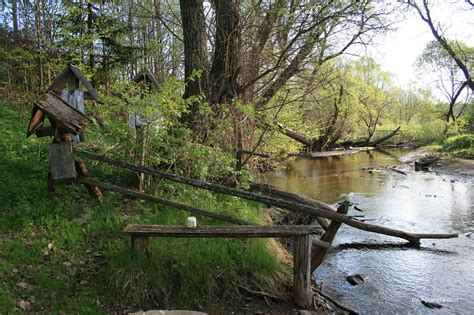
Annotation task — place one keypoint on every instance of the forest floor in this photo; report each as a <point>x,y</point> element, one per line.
<point>63,252</point>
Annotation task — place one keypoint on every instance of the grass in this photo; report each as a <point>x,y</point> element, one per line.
<point>64,252</point>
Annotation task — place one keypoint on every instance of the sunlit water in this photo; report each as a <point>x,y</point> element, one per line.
<point>441,271</point>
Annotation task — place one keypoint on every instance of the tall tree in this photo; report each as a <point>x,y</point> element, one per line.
<point>424,11</point>
<point>450,79</point>
<point>195,50</point>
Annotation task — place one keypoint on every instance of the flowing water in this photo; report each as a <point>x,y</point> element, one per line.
<point>397,278</point>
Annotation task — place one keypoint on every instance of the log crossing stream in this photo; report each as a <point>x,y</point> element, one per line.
<point>397,278</point>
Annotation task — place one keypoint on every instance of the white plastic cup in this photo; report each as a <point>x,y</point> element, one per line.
<point>191,222</point>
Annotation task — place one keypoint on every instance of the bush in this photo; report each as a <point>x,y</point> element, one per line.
<point>460,142</point>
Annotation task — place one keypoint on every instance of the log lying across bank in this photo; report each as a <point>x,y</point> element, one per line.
<point>311,143</point>
<point>374,142</point>
<point>320,211</point>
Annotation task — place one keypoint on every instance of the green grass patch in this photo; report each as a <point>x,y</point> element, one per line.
<point>64,252</point>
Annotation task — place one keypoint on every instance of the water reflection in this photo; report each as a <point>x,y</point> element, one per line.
<point>420,202</point>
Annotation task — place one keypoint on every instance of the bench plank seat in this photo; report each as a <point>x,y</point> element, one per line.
<point>232,231</point>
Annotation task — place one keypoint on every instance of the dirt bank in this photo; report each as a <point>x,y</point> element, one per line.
<point>461,168</point>
<point>453,167</point>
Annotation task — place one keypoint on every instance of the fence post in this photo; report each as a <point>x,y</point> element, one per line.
<point>141,244</point>
<point>301,271</point>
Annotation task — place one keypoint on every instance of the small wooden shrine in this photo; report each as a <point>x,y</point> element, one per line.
<point>63,107</point>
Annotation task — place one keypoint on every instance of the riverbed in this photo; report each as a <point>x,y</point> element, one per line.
<point>397,278</point>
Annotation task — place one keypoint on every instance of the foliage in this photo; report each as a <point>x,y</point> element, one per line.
<point>70,252</point>
<point>461,145</point>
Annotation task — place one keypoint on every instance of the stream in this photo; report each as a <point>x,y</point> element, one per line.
<point>396,278</point>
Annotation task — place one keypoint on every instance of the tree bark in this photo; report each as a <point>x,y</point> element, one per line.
<point>226,61</point>
<point>195,51</point>
<point>15,17</point>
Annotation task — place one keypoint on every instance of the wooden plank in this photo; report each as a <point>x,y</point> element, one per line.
<point>301,271</point>
<point>213,231</point>
<point>62,161</point>
<point>330,153</point>
<point>320,252</point>
<point>36,121</point>
<point>90,89</point>
<point>64,115</point>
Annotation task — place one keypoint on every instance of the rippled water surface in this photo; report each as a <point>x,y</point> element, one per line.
<point>397,277</point>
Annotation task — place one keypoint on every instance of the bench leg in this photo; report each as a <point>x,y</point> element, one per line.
<point>302,271</point>
<point>141,244</point>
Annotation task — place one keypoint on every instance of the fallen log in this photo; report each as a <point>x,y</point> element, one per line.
<point>138,195</point>
<point>374,143</point>
<point>380,140</point>
<point>320,211</point>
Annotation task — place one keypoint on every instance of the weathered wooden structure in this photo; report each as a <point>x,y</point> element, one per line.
<point>63,107</point>
<point>71,79</point>
<point>302,294</point>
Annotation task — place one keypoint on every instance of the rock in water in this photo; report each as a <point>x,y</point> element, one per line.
<point>355,279</point>
<point>431,305</point>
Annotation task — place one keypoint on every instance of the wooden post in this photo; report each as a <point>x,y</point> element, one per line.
<point>141,244</point>
<point>94,190</point>
<point>301,271</point>
<point>141,154</point>
<point>320,252</point>
<point>50,182</point>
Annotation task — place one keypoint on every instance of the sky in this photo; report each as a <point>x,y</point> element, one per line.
<point>398,50</point>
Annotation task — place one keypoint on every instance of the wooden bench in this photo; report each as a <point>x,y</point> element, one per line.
<point>302,296</point>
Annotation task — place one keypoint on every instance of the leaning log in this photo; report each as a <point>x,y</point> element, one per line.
<point>169,203</point>
<point>295,135</point>
<point>380,140</point>
<point>413,238</point>
<point>274,192</point>
<point>319,253</point>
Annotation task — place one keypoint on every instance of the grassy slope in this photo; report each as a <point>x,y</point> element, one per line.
<point>63,251</point>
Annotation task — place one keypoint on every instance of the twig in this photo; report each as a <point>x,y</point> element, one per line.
<point>333,301</point>
<point>264,294</point>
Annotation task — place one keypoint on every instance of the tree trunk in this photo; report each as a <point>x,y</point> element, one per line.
<point>225,66</point>
<point>15,17</point>
<point>90,32</point>
<point>195,51</point>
